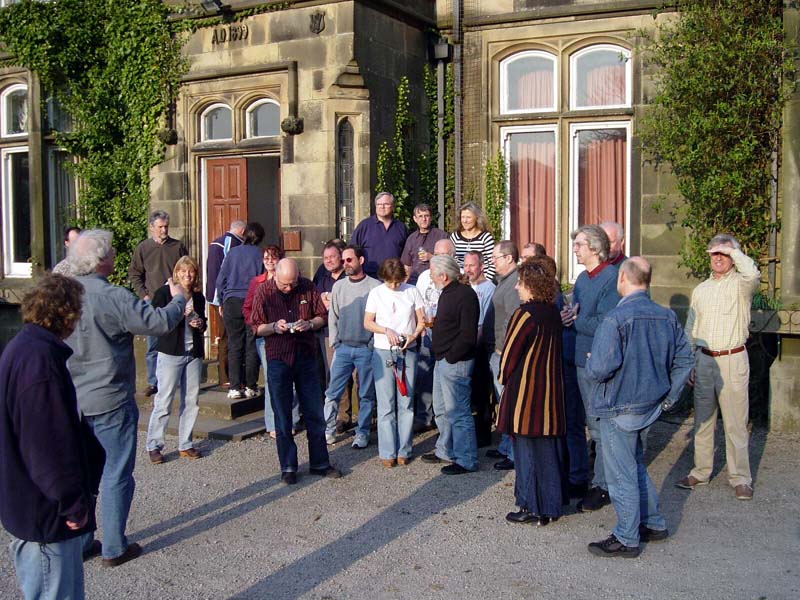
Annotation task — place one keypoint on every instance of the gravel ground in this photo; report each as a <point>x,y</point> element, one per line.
<point>225,527</point>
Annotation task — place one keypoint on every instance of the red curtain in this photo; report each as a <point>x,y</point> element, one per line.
<point>602,176</point>
<point>534,90</point>
<point>605,85</point>
<point>533,190</point>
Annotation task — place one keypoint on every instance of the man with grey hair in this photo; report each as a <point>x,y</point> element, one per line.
<point>104,372</point>
<point>217,251</point>
<point>380,235</point>
<point>717,327</point>
<point>454,338</point>
<point>616,242</point>
<point>594,295</point>
<point>423,382</point>
<point>151,265</point>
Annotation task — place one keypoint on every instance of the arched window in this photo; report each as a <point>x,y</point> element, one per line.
<point>263,118</point>
<point>216,123</point>
<point>600,77</point>
<point>528,82</point>
<point>345,192</point>
<point>14,106</point>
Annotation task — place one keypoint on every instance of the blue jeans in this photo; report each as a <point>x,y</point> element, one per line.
<point>51,571</point>
<point>395,410</point>
<point>173,371</point>
<point>631,490</point>
<point>505,446</point>
<point>345,359</point>
<point>116,432</point>
<point>588,387</point>
<point>269,415</point>
<point>452,393</point>
<point>282,379</point>
<point>151,360</point>
<point>576,428</point>
<point>423,383</point>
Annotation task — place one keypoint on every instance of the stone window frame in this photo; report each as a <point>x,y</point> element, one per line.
<point>254,104</point>
<point>590,48</point>
<point>521,54</point>
<point>202,126</point>
<point>4,122</point>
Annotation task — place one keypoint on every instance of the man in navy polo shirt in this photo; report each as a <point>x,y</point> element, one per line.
<point>380,235</point>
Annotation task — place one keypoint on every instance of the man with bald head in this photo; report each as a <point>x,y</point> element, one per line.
<point>287,309</point>
<point>616,242</point>
<point>643,359</point>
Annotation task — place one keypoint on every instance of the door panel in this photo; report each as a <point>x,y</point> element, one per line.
<point>226,187</point>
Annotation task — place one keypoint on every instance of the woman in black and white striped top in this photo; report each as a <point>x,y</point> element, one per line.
<point>473,235</point>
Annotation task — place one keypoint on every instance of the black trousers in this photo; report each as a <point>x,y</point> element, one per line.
<point>241,346</point>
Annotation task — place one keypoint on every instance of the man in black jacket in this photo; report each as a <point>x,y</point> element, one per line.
<point>46,489</point>
<point>454,339</point>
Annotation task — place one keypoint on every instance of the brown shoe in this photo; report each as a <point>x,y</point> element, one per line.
<point>155,456</point>
<point>131,552</point>
<point>403,461</point>
<point>150,390</point>
<point>388,462</point>
<point>192,453</point>
<point>690,482</point>
<point>743,492</point>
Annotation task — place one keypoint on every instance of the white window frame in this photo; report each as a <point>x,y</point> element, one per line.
<point>204,133</point>
<point>574,268</point>
<point>251,108</point>
<point>506,62</point>
<point>12,269</point>
<point>4,110</point>
<point>573,73</point>
<point>505,137</point>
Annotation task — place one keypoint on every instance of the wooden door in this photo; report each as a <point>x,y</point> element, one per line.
<point>226,185</point>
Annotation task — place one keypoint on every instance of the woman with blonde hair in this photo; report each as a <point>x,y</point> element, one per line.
<point>180,362</point>
<point>473,235</point>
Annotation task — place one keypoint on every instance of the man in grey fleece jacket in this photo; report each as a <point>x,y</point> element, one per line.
<point>103,370</point>
<point>352,345</point>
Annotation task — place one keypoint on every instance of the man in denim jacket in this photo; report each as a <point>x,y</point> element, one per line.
<point>641,359</point>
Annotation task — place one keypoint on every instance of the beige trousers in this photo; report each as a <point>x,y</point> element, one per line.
<point>720,383</point>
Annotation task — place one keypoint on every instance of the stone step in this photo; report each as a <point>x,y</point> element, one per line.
<point>206,427</point>
<point>214,403</point>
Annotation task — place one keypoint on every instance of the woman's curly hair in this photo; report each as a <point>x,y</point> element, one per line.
<point>54,304</point>
<point>535,275</point>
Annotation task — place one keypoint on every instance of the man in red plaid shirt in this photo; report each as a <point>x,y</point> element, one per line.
<point>287,309</point>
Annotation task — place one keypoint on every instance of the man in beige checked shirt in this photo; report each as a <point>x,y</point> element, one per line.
<point>717,328</point>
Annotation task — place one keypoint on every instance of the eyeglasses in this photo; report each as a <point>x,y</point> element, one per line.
<point>499,256</point>
<point>579,244</point>
<point>718,254</point>
<point>384,204</point>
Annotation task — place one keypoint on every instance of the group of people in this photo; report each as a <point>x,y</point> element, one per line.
<point>415,324</point>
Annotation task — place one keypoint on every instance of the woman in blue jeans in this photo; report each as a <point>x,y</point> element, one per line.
<point>180,362</point>
<point>395,314</point>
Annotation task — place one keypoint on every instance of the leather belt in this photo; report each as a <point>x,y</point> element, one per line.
<point>722,352</point>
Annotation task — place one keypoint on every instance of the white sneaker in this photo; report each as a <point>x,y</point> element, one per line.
<point>330,438</point>
<point>360,442</point>
<point>252,393</point>
<point>235,394</point>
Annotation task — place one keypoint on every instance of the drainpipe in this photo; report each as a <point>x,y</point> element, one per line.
<point>457,76</point>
